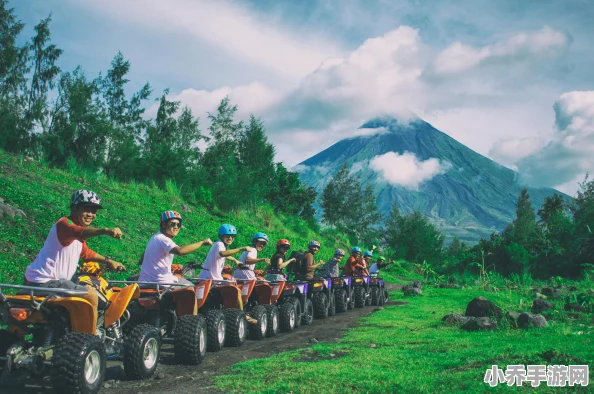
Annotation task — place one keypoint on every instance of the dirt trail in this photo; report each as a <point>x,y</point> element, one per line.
<point>181,379</point>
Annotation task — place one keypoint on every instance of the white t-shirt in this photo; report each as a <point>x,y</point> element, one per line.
<point>247,274</point>
<point>213,266</point>
<point>156,265</point>
<point>374,269</point>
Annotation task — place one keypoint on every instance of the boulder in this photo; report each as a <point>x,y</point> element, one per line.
<point>551,292</point>
<point>409,290</point>
<point>528,320</point>
<point>479,323</point>
<point>481,307</point>
<point>512,317</point>
<point>417,284</point>
<point>454,319</point>
<point>539,306</point>
<point>7,210</point>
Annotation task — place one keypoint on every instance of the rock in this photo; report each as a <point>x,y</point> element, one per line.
<point>512,317</point>
<point>205,372</point>
<point>332,355</point>
<point>159,376</point>
<point>540,296</point>
<point>106,385</point>
<point>574,306</point>
<point>313,340</point>
<point>541,306</point>
<point>417,284</point>
<point>449,286</point>
<point>479,323</point>
<point>527,320</point>
<point>551,292</point>
<point>454,319</point>
<point>409,290</point>
<point>1,200</point>
<point>373,345</point>
<point>185,208</point>
<point>7,210</point>
<point>481,307</point>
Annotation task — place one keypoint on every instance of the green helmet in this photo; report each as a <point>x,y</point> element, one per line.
<point>380,258</point>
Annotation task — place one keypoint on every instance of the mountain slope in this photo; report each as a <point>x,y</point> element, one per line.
<point>472,198</point>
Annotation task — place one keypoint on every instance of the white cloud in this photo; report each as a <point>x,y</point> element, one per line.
<point>458,57</point>
<point>370,132</point>
<point>228,26</point>
<point>358,166</point>
<point>406,169</point>
<point>564,160</point>
<point>511,150</point>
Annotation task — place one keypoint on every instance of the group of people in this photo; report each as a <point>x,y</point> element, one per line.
<point>66,244</point>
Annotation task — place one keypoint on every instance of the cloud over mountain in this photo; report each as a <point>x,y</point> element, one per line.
<point>406,169</point>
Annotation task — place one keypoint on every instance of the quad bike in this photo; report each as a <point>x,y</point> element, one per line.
<point>259,298</point>
<point>171,309</point>
<point>361,290</point>
<point>378,291</point>
<point>219,304</point>
<point>321,293</point>
<point>52,331</point>
<point>295,306</point>
<point>343,293</point>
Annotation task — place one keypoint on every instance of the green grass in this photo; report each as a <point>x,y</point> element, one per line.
<point>406,349</point>
<point>43,194</point>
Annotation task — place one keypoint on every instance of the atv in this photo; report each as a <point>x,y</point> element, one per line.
<point>171,309</point>
<point>361,291</point>
<point>51,331</point>
<point>378,291</point>
<point>344,297</point>
<point>259,298</point>
<point>295,306</point>
<point>321,293</point>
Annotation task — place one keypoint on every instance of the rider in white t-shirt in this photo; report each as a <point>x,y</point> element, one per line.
<point>158,256</point>
<point>218,253</point>
<point>249,259</point>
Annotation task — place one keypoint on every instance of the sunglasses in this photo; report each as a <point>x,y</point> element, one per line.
<point>175,224</point>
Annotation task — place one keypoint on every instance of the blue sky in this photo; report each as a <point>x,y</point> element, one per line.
<point>510,79</point>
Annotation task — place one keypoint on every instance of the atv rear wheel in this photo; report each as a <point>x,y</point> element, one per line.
<point>79,364</point>
<point>141,352</point>
<point>288,316</point>
<point>298,311</point>
<point>7,339</point>
<point>368,298</point>
<point>216,328</point>
<point>382,301</point>
<point>375,296</point>
<point>386,297</point>
<point>308,313</point>
<point>331,305</point>
<point>359,297</point>
<point>258,331</point>
<point>320,304</point>
<point>273,320</point>
<point>236,327</point>
<point>340,296</point>
<point>190,340</point>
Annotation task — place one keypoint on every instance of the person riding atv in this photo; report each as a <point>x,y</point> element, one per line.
<point>276,269</point>
<point>66,243</point>
<point>309,265</point>
<point>353,263</point>
<point>249,259</point>
<point>330,268</point>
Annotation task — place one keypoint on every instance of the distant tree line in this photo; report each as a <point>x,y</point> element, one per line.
<point>66,119</point>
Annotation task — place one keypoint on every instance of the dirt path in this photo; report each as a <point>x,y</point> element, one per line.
<point>181,379</point>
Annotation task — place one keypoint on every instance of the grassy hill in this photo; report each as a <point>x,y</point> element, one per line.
<point>44,193</point>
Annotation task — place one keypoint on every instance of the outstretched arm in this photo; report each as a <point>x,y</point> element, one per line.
<point>231,252</point>
<point>187,249</point>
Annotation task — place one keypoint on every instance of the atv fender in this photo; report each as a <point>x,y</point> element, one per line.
<point>229,295</point>
<point>264,293</point>
<point>201,289</point>
<point>276,291</point>
<point>119,302</point>
<point>81,313</point>
<point>246,289</point>
<point>184,300</point>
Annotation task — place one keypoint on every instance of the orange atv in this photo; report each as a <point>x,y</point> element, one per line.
<point>51,331</point>
<point>220,303</point>
<point>171,308</point>
<point>259,298</point>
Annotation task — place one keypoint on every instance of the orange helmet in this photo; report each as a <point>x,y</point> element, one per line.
<point>283,242</point>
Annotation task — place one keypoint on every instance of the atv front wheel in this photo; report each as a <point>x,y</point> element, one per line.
<point>141,356</point>
<point>258,331</point>
<point>359,297</point>
<point>320,304</point>
<point>375,296</point>
<point>308,313</point>
<point>340,296</point>
<point>216,328</point>
<point>273,320</point>
<point>190,340</point>
<point>288,316</point>
<point>78,364</point>
<point>236,327</point>
<point>297,306</point>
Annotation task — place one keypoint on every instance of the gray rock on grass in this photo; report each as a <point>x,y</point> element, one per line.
<point>479,324</point>
<point>481,307</point>
<point>529,320</point>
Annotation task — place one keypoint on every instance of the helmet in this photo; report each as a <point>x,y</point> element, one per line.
<point>227,229</point>
<point>85,197</point>
<point>356,249</point>
<point>168,215</point>
<point>339,252</point>
<point>260,237</point>
<point>367,254</point>
<point>381,258</point>
<point>283,242</point>
<point>313,243</point>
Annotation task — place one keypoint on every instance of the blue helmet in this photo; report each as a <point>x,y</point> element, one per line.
<point>313,243</point>
<point>367,253</point>
<point>356,249</point>
<point>227,229</point>
<point>339,252</point>
<point>260,237</point>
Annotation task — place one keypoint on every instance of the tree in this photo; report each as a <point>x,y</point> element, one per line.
<point>551,206</point>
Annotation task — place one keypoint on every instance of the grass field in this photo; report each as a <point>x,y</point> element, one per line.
<point>406,349</point>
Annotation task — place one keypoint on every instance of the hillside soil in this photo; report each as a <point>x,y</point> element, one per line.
<point>180,379</point>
